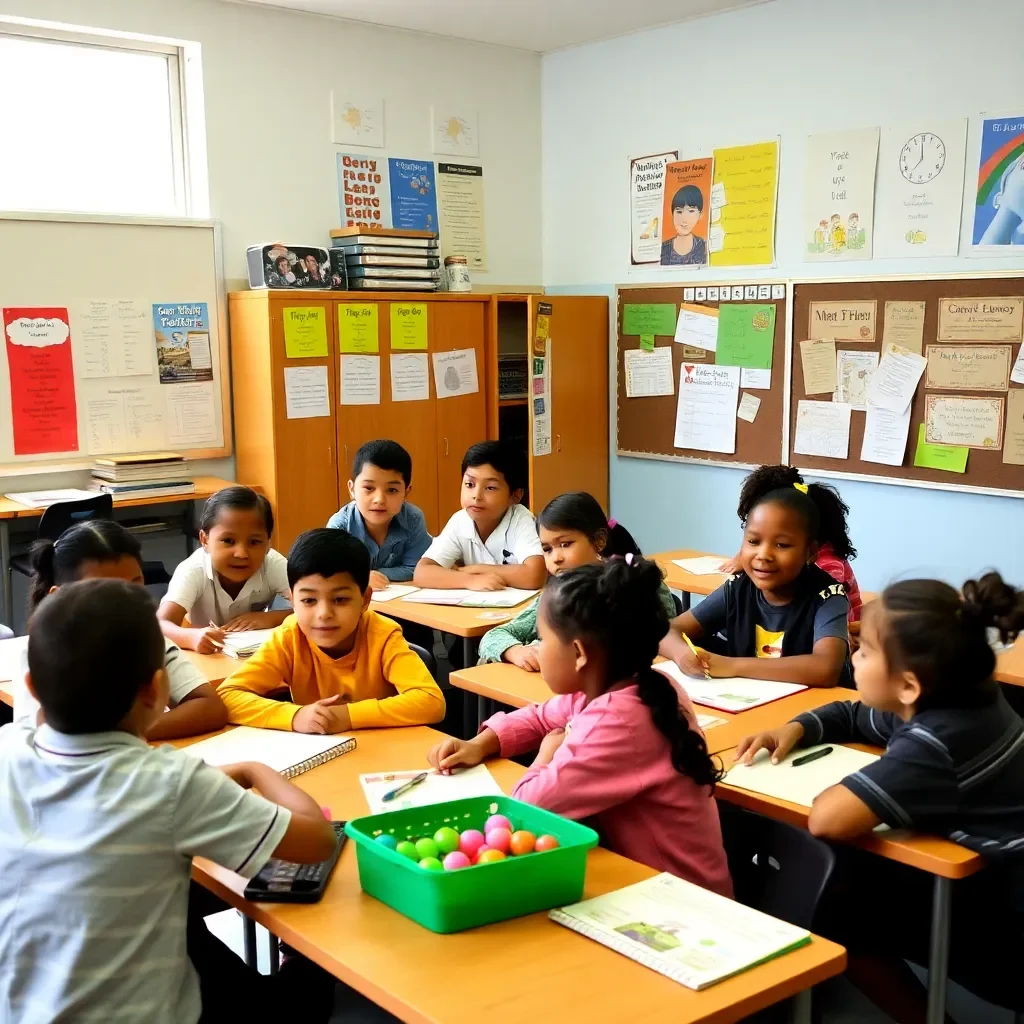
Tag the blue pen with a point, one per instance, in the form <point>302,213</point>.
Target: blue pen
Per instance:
<point>405,787</point>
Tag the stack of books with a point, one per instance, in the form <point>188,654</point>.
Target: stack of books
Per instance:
<point>156,475</point>
<point>386,258</point>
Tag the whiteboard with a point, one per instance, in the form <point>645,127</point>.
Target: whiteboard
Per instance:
<point>110,274</point>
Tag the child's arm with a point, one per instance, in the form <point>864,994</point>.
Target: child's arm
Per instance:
<point>275,569</point>
<point>207,640</point>
<point>675,648</point>
<point>509,642</point>
<point>419,700</point>
<point>431,575</point>
<point>822,667</point>
<point>528,576</point>
<point>256,620</point>
<point>197,712</point>
<point>244,692</point>
<point>415,548</point>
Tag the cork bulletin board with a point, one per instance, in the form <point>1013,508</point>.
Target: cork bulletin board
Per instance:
<point>948,313</point>
<point>645,427</point>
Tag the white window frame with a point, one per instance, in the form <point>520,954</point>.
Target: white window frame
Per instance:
<point>185,84</point>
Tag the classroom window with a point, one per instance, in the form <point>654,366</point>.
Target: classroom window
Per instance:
<point>99,124</point>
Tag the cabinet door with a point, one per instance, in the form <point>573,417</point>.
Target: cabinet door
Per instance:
<point>306,455</point>
<point>458,324</point>
<point>577,401</point>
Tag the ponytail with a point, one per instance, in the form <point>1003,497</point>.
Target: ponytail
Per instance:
<point>616,605</point>
<point>41,560</point>
<point>580,511</point>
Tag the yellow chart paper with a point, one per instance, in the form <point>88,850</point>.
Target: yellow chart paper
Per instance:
<point>743,197</point>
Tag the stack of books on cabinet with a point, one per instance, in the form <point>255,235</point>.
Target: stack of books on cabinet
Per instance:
<point>386,259</point>
<point>155,475</point>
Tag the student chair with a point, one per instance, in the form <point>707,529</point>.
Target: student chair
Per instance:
<point>427,658</point>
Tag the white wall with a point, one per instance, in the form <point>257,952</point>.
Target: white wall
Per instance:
<point>789,68</point>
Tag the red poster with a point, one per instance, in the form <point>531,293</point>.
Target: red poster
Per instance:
<point>43,407</point>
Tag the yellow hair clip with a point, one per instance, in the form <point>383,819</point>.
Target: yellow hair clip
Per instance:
<point>802,488</point>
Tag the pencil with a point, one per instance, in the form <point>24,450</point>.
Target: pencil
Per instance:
<point>696,654</point>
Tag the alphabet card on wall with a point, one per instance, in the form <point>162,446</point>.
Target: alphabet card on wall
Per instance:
<point>839,195</point>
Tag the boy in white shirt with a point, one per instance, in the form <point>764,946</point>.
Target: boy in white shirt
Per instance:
<point>98,831</point>
<point>492,542</point>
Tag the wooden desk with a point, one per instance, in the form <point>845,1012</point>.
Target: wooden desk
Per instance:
<point>524,969</point>
<point>944,860</point>
<point>1010,664</point>
<point>686,582</point>
<point>11,510</point>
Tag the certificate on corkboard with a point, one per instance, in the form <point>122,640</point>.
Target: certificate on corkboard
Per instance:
<point>969,367</point>
<point>968,422</point>
<point>991,318</point>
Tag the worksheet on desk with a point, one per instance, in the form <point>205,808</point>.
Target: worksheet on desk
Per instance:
<point>434,789</point>
<point>507,598</point>
<point>734,694</point>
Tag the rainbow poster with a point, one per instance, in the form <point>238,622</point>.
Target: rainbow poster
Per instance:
<point>999,205</point>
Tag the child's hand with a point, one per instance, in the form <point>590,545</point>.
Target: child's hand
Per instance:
<point>549,746</point>
<point>208,640</point>
<point>452,753</point>
<point>523,657</point>
<point>485,581</point>
<point>378,581</point>
<point>730,566</point>
<point>318,718</point>
<point>687,661</point>
<point>778,742</point>
<point>247,621</point>
<point>718,666</point>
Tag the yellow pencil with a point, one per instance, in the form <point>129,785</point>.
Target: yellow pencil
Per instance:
<point>696,654</point>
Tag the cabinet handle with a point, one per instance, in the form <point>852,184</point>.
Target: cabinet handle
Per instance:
<point>330,452</point>
<point>446,447</point>
<point>558,442</point>
<point>346,455</point>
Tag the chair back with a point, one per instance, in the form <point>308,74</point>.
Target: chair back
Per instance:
<point>58,517</point>
<point>427,658</point>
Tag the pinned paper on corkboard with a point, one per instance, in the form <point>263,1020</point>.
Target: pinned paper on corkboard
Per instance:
<point>962,420</point>
<point>852,320</point>
<point>904,325</point>
<point>1013,444</point>
<point>969,367</point>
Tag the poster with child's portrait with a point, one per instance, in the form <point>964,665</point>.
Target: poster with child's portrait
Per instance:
<point>686,213</point>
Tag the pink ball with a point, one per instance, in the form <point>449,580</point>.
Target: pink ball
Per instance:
<point>455,860</point>
<point>497,821</point>
<point>476,856</point>
<point>499,839</point>
<point>470,841</point>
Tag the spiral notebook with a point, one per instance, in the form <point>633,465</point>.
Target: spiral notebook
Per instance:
<point>290,753</point>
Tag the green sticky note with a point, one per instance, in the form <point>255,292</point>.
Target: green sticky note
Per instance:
<point>305,332</point>
<point>357,327</point>
<point>746,334</point>
<point>647,342</point>
<point>649,318</point>
<point>949,457</point>
<point>408,325</point>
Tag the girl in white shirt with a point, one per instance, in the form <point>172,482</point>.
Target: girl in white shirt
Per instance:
<point>227,584</point>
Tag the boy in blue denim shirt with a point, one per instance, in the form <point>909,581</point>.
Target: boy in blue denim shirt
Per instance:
<point>392,529</point>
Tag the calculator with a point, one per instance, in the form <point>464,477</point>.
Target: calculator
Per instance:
<point>282,881</point>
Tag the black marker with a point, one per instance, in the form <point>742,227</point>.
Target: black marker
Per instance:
<point>808,758</point>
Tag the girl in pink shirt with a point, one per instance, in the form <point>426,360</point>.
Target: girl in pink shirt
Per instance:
<point>618,744</point>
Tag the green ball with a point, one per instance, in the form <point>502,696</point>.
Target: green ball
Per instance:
<point>431,864</point>
<point>426,848</point>
<point>388,840</point>
<point>408,849</point>
<point>447,839</point>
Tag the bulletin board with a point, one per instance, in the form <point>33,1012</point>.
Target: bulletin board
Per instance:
<point>645,427</point>
<point>985,469</point>
<point>111,389</point>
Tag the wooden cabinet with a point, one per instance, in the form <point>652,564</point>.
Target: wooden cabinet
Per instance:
<point>304,464</point>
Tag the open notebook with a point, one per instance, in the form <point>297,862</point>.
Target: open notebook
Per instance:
<point>678,929</point>
<point>732,694</point>
<point>290,753</point>
<point>507,598</point>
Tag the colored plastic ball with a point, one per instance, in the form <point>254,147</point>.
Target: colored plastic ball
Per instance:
<point>490,857</point>
<point>427,848</point>
<point>497,821</point>
<point>431,864</point>
<point>455,860</point>
<point>470,842</point>
<point>476,856</point>
<point>408,849</point>
<point>522,842</point>
<point>499,839</point>
<point>546,843</point>
<point>388,840</point>
<point>447,839</point>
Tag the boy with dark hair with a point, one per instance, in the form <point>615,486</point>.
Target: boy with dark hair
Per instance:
<point>379,514</point>
<point>98,831</point>
<point>492,542</point>
<point>345,666</point>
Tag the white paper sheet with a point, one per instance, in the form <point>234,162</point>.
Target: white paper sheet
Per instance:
<point>649,373</point>
<point>112,338</point>
<point>360,380</point>
<point>144,409</point>
<point>190,414</point>
<point>822,428</point>
<point>1017,373</point>
<point>853,374</point>
<point>732,695</point>
<point>455,373</point>
<point>885,436</point>
<point>43,499</point>
<point>391,593</point>
<point>541,435</point>
<point>706,411</point>
<point>718,199</point>
<point>705,565</point>
<point>507,598</point>
<point>893,384</point>
<point>698,329</point>
<point>305,392</point>
<point>410,377</point>
<point>106,433</point>
<point>434,789</point>
<point>749,405</point>
<point>755,380</point>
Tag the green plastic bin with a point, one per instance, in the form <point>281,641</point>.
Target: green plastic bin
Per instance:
<point>451,901</point>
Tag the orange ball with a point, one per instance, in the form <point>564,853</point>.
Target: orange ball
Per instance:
<point>522,842</point>
<point>546,843</point>
<point>490,857</point>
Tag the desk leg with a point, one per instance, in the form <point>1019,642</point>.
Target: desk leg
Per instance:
<point>684,598</point>
<point>275,952</point>
<point>800,1008</point>
<point>249,941</point>
<point>470,701</point>
<point>938,954</point>
<point>188,526</point>
<point>6,615</point>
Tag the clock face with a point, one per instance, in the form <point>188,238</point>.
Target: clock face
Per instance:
<point>922,158</point>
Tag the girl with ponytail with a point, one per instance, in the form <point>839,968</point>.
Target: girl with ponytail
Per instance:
<point>618,743</point>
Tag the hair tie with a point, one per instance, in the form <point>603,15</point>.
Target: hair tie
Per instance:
<point>612,524</point>
<point>802,488</point>
<point>629,559</point>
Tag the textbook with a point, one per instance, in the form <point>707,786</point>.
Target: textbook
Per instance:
<point>382,284</point>
<point>507,598</point>
<point>387,250</point>
<point>405,273</point>
<point>688,934</point>
<point>383,236</point>
<point>413,262</point>
<point>730,694</point>
<point>290,753</point>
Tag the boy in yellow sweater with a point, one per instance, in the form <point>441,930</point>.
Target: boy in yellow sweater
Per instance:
<point>345,666</point>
